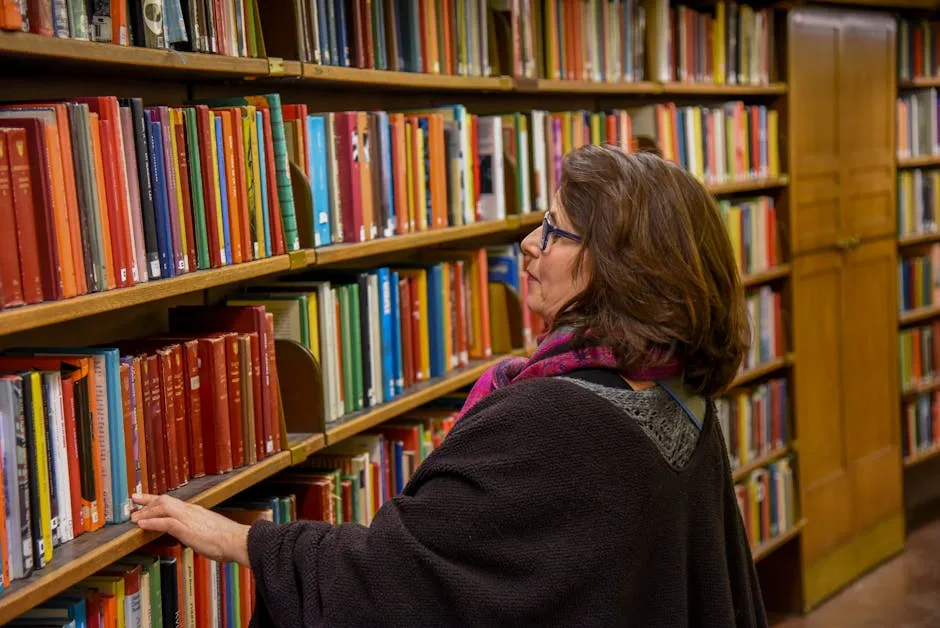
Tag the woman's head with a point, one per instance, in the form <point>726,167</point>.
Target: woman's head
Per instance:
<point>646,266</point>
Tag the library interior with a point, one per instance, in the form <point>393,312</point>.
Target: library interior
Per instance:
<point>259,251</point>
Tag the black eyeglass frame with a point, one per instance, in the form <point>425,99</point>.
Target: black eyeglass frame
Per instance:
<point>548,230</point>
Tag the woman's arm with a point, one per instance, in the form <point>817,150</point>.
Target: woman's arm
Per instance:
<point>489,527</point>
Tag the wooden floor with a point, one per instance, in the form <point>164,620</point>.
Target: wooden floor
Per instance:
<point>902,593</point>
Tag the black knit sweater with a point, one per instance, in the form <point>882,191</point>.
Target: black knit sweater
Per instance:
<point>546,505</point>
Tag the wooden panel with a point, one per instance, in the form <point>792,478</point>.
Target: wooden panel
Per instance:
<point>825,481</point>
<point>870,358</point>
<point>813,105</point>
<point>867,93</point>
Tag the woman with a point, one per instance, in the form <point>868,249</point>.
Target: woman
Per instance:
<point>588,485</point>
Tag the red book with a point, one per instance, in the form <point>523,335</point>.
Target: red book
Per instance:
<point>156,434</point>
<point>11,280</point>
<point>191,386</point>
<point>32,200</point>
<point>274,204</point>
<point>207,157</point>
<point>233,379</point>
<point>241,176</point>
<point>275,387</point>
<point>183,160</point>
<point>120,245</point>
<point>350,193</point>
<point>167,395</point>
<point>71,445</point>
<point>256,384</point>
<point>213,398</point>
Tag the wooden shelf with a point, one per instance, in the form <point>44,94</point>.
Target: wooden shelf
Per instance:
<point>765,276</point>
<point>417,395</point>
<point>921,456</point>
<point>766,548</point>
<point>922,387</point>
<point>41,314</point>
<point>109,57</point>
<point>711,89</point>
<point>918,315</point>
<point>760,371</point>
<point>93,551</point>
<point>404,80</point>
<point>337,253</point>
<point>302,446</point>
<point>560,86</point>
<point>915,239</point>
<point>750,185</point>
<point>525,221</point>
<point>757,463</point>
<point>922,81</point>
<point>919,161</point>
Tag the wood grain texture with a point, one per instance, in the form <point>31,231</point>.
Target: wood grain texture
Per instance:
<point>58,51</point>
<point>763,370</point>
<point>708,89</point>
<point>919,161</point>
<point>752,280</point>
<point>42,314</point>
<point>751,185</point>
<point>313,73</point>
<point>766,548</point>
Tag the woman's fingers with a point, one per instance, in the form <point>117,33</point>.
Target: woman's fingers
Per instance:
<point>167,525</point>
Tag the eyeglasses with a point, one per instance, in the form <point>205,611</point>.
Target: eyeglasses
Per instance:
<point>549,230</point>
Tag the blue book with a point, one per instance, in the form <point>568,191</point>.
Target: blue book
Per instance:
<point>161,207</point>
<point>680,134</point>
<point>398,372</point>
<point>323,26</point>
<point>265,216</point>
<point>319,180</point>
<point>220,156</point>
<point>342,44</point>
<point>388,338</point>
<point>399,467</point>
<point>388,181</point>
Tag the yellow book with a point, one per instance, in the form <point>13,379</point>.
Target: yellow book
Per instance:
<point>421,207</point>
<point>176,118</point>
<point>698,144</point>
<point>744,431</point>
<point>313,317</point>
<point>32,385</point>
<point>410,173</point>
<point>112,585</point>
<point>218,188</point>
<point>734,232</point>
<point>773,144</point>
<point>596,129</point>
<point>566,139</point>
<point>718,43</point>
<point>730,144</point>
<point>550,37</point>
<point>254,149</point>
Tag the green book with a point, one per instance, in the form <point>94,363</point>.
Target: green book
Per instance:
<point>198,194</point>
<point>151,565</point>
<point>346,325</point>
<point>357,365</point>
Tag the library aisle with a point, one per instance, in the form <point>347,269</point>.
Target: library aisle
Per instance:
<point>902,593</point>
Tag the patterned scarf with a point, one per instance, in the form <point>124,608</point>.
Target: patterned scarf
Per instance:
<point>553,357</point>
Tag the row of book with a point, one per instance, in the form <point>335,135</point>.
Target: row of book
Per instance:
<point>918,48</point>
<point>228,28</point>
<point>754,421</point>
<point>918,200</point>
<point>377,332</point>
<point>85,428</point>
<point>919,280</point>
<point>725,44</point>
<point>917,123</point>
<point>767,501</point>
<point>105,193</point>
<point>731,142</point>
<point>919,355</point>
<point>920,424</point>
<point>752,227</point>
<point>167,584</point>
<point>764,309</point>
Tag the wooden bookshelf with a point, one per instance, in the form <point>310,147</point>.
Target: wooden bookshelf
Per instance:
<point>916,239</point>
<point>922,81</point>
<point>339,253</point>
<point>918,315</point>
<point>711,89</point>
<point>418,395</point>
<point>766,548</point>
<point>920,388</point>
<point>779,271</point>
<point>93,551</point>
<point>403,80</point>
<point>757,463</point>
<point>560,86</point>
<point>762,371</point>
<point>62,53</point>
<point>526,221</point>
<point>919,161</point>
<point>48,313</point>
<point>921,456</point>
<point>750,185</point>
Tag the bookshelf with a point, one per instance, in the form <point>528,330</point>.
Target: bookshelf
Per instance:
<point>99,317</point>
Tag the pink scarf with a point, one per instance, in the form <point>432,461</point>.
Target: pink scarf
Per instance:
<point>553,357</point>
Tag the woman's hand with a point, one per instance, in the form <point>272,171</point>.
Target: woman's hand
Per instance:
<point>208,533</point>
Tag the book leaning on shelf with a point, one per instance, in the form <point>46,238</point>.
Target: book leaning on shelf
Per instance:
<point>85,428</point>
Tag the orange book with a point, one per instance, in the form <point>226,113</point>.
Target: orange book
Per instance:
<point>396,123</point>
<point>438,174</point>
<point>138,384</point>
<point>109,261</point>
<point>234,215</point>
<point>447,44</point>
<point>10,18</point>
<point>241,174</point>
<point>117,219</point>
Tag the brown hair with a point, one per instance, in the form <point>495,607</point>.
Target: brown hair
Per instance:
<point>662,277</point>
